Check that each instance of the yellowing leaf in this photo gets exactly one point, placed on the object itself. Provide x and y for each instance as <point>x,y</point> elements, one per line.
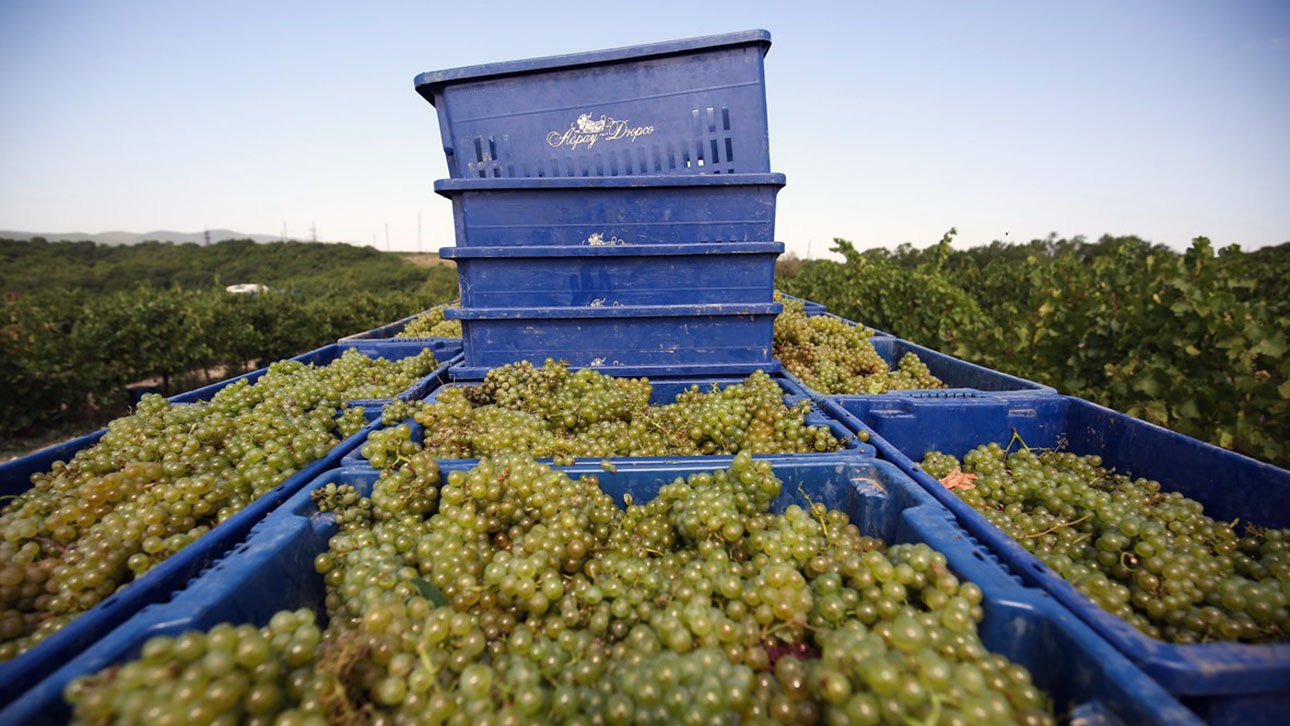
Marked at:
<point>959,479</point>
<point>1157,412</point>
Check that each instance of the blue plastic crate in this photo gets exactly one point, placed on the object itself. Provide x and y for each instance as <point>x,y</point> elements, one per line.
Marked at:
<point>692,274</point>
<point>155,585</point>
<point>629,340</point>
<point>664,391</point>
<point>1088,680</point>
<point>964,379</point>
<point>446,352</point>
<point>604,212</point>
<point>693,106</point>
<point>1223,682</point>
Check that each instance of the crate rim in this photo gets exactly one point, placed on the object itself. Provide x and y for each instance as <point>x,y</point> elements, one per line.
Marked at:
<point>642,312</point>
<point>429,83</point>
<point>453,187</point>
<point>689,249</point>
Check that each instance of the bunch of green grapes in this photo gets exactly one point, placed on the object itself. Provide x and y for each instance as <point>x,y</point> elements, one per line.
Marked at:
<point>360,377</point>
<point>1146,555</point>
<point>549,411</point>
<point>397,410</point>
<point>527,596</point>
<point>431,324</point>
<point>163,476</point>
<point>833,356</point>
<point>230,674</point>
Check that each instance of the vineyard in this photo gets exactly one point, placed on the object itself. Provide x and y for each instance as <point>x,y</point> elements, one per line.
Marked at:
<point>1195,341</point>
<point>80,323</point>
<point>613,458</point>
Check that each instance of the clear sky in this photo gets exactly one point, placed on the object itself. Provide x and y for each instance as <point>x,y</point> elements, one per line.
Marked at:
<point>893,121</point>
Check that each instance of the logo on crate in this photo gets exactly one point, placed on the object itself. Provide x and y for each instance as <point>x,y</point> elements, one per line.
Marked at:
<point>598,240</point>
<point>586,131</point>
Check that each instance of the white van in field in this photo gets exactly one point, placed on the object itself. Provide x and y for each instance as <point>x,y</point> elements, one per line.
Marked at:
<point>246,287</point>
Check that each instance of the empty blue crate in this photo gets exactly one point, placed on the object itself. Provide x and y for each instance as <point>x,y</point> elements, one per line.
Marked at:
<point>155,585</point>
<point>630,340</point>
<point>611,275</point>
<point>694,106</point>
<point>1222,681</point>
<point>961,378</point>
<point>1088,680</point>
<point>662,392</point>
<point>605,212</point>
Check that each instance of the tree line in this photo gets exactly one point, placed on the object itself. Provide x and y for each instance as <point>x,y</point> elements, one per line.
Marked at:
<point>1193,341</point>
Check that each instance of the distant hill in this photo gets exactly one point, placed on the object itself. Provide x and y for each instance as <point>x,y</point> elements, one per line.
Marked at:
<point>133,238</point>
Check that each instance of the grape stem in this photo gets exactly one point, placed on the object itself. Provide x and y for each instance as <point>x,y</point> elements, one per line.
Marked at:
<point>811,508</point>
<point>1056,527</point>
<point>56,545</point>
<point>1016,438</point>
<point>933,716</point>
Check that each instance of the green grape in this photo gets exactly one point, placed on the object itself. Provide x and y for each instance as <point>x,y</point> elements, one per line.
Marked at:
<point>512,592</point>
<point>161,477</point>
<point>549,411</point>
<point>229,673</point>
<point>1146,555</point>
<point>431,324</point>
<point>397,410</point>
<point>833,356</point>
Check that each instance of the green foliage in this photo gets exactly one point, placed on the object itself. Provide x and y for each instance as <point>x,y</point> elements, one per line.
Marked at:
<point>80,322</point>
<point>67,355</point>
<point>307,267</point>
<point>920,303</point>
<point>1195,342</point>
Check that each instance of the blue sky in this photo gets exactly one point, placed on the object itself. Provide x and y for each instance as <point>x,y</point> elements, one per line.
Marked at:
<point>893,121</point>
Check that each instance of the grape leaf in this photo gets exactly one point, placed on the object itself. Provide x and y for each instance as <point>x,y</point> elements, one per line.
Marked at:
<point>959,479</point>
<point>430,592</point>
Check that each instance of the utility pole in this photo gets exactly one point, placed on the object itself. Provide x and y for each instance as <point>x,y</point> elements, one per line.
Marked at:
<point>283,236</point>
<point>207,236</point>
<point>313,231</point>
<point>418,233</point>
<point>387,236</point>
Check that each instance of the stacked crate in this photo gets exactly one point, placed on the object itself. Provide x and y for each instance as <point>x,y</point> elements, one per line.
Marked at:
<point>614,209</point>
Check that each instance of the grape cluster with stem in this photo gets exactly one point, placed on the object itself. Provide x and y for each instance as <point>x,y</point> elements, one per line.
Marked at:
<point>832,356</point>
<point>512,593</point>
<point>431,324</point>
<point>550,411</point>
<point>163,476</point>
<point>1144,554</point>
